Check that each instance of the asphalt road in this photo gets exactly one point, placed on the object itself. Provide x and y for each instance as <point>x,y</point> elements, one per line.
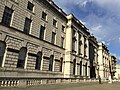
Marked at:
<point>73,86</point>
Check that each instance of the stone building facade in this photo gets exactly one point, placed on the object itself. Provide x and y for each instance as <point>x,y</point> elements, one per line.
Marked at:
<point>39,44</point>
<point>103,61</point>
<point>93,56</point>
<point>112,65</point>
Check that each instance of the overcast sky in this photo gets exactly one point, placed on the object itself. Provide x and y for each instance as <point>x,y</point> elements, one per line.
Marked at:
<point>102,18</point>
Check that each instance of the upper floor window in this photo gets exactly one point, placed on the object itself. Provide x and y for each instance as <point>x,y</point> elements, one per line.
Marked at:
<point>21,57</point>
<point>2,51</point>
<point>27,25</point>
<point>53,38</point>
<point>44,16</point>
<point>38,60</point>
<point>7,16</point>
<point>62,42</point>
<point>42,31</point>
<point>54,23</point>
<point>30,6</point>
<point>63,28</point>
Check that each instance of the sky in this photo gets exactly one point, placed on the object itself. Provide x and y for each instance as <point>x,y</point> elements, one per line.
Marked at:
<point>101,17</point>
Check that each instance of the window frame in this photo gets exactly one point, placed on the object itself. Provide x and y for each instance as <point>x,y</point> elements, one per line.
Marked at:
<point>54,23</point>
<point>20,62</point>
<point>7,16</point>
<point>42,32</point>
<point>44,16</point>
<point>27,25</point>
<point>30,6</point>
<point>53,40</point>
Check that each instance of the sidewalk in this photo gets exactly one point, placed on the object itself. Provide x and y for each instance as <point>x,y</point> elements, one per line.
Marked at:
<point>72,86</point>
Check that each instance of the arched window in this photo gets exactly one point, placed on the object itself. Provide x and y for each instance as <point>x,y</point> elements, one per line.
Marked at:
<point>80,68</point>
<point>38,60</point>
<point>74,66</point>
<point>21,57</point>
<point>2,51</point>
<point>51,63</point>
<point>61,64</point>
<point>86,69</point>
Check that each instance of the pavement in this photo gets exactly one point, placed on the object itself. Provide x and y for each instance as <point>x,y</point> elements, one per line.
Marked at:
<point>72,86</point>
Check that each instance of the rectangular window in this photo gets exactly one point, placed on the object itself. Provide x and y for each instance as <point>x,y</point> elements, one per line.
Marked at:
<point>42,31</point>
<point>73,45</point>
<point>62,42</point>
<point>27,25</point>
<point>7,15</point>
<point>63,28</point>
<point>53,38</point>
<point>30,6</point>
<point>54,23</point>
<point>44,16</point>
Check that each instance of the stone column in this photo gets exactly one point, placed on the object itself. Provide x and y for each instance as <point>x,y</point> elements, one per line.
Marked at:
<point>68,47</point>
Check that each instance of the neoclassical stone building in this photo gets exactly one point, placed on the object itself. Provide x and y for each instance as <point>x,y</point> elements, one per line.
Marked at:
<point>103,61</point>
<point>39,44</point>
<point>93,56</point>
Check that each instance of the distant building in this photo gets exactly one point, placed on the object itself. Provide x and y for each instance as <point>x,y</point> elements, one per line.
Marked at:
<point>117,74</point>
<point>112,65</point>
<point>103,61</point>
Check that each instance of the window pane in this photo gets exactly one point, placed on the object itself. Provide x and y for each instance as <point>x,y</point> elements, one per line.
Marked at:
<point>7,15</point>
<point>42,30</point>
<point>21,58</point>
<point>30,6</point>
<point>53,38</point>
<point>51,63</point>
<point>54,23</point>
<point>44,15</point>
<point>38,61</point>
<point>62,42</point>
<point>27,25</point>
<point>74,66</point>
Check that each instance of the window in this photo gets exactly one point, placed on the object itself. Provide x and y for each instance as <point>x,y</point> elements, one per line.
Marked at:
<point>21,57</point>
<point>53,38</point>
<point>74,66</point>
<point>61,63</point>
<point>2,51</point>
<point>54,23</point>
<point>38,60</point>
<point>30,6</point>
<point>62,42</point>
<point>80,43</point>
<point>73,45</point>
<point>51,63</point>
<point>63,28</point>
<point>44,16</point>
<point>80,68</point>
<point>42,31</point>
<point>27,25</point>
<point>86,69</point>
<point>7,15</point>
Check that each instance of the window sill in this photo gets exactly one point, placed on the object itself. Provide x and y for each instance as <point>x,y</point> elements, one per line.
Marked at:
<point>30,11</point>
<point>44,20</point>
<point>55,27</point>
